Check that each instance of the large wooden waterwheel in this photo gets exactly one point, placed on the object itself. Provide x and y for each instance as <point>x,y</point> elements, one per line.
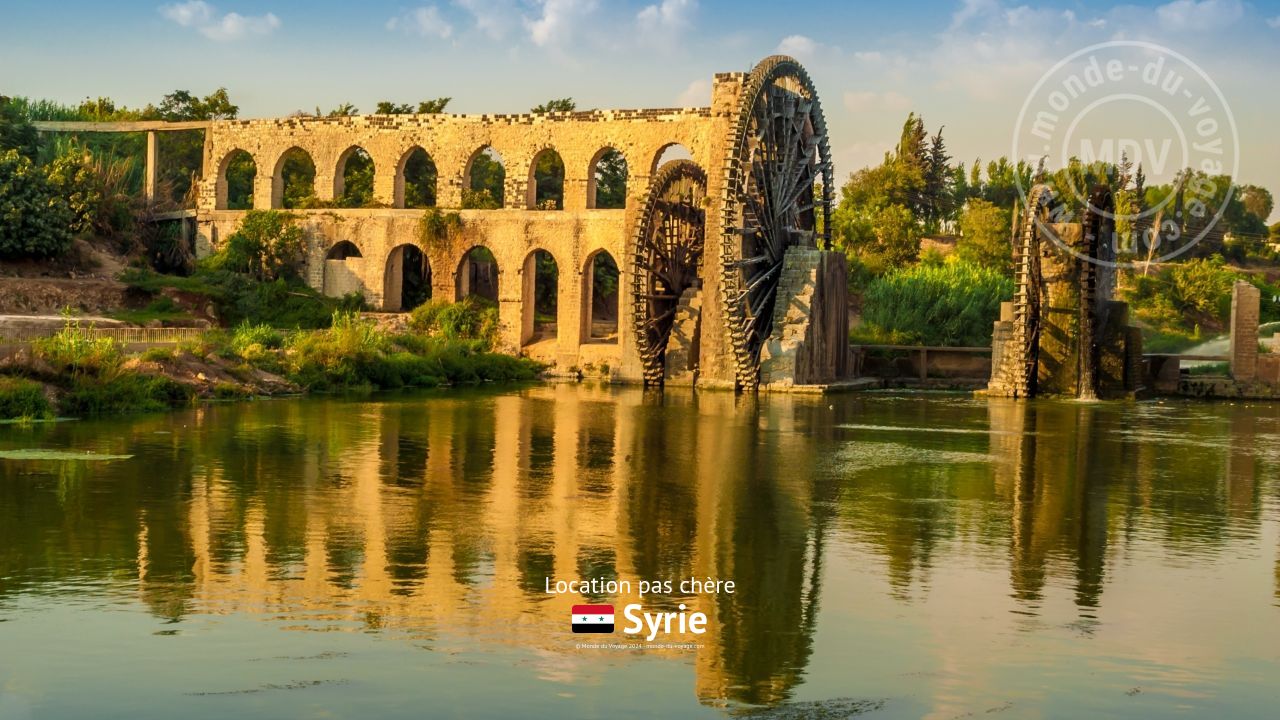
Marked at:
<point>777,195</point>
<point>667,254</point>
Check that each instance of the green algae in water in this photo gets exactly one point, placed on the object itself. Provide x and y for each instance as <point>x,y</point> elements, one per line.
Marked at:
<point>59,455</point>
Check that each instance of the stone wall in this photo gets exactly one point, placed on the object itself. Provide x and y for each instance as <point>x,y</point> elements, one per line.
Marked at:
<point>572,235</point>
<point>1245,314</point>
<point>809,343</point>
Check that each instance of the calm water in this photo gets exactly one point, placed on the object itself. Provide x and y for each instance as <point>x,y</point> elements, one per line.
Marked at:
<point>909,555</point>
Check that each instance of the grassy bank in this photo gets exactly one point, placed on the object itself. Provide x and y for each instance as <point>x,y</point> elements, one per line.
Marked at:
<point>74,373</point>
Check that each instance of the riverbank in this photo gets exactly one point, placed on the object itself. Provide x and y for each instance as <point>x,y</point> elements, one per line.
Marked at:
<point>75,373</point>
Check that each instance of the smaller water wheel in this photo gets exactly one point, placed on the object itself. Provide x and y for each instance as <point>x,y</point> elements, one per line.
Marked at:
<point>1096,281</point>
<point>1023,362</point>
<point>667,256</point>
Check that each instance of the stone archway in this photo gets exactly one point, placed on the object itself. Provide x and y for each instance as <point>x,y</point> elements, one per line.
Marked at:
<point>406,281</point>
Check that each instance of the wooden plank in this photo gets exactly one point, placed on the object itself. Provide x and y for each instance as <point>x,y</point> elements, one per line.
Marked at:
<point>931,348</point>
<point>125,126</point>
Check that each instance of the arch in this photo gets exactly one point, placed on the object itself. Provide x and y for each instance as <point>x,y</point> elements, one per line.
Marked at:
<point>539,297</point>
<point>342,250</point>
<point>406,282</point>
<point>353,178</point>
<point>477,275</point>
<point>670,152</point>
<point>545,190</point>
<point>600,282</point>
<point>293,181</point>
<point>486,178</point>
<point>236,175</point>
<point>343,270</point>
<point>607,180</point>
<point>416,179</point>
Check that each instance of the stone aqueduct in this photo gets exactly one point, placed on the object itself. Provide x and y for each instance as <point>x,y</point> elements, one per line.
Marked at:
<point>763,124</point>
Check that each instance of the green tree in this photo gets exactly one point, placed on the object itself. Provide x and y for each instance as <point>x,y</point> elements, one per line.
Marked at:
<point>557,105</point>
<point>267,246</point>
<point>488,177</point>
<point>897,235</point>
<point>611,181</point>
<point>16,133</point>
<point>984,236</point>
<point>35,220</point>
<point>434,106</point>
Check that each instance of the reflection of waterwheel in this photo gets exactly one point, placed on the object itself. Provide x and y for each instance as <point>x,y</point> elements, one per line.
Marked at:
<point>668,251</point>
<point>778,153</point>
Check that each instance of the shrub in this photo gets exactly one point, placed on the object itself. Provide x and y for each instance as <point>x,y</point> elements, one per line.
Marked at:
<point>267,246</point>
<point>22,398</point>
<point>954,304</point>
<point>96,189</point>
<point>1202,286</point>
<point>247,334</point>
<point>35,220</point>
<point>473,318</point>
<point>984,236</point>
<point>75,350</point>
<point>122,393</point>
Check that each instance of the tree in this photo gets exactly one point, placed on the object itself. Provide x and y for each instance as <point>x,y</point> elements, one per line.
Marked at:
<point>386,107</point>
<point>488,178</point>
<point>346,109</point>
<point>611,181</point>
<point>267,246</point>
<point>897,235</point>
<point>35,220</point>
<point>939,202</point>
<point>434,106</point>
<point>984,236</point>
<point>182,105</point>
<point>558,105</point>
<point>1257,201</point>
<point>16,133</point>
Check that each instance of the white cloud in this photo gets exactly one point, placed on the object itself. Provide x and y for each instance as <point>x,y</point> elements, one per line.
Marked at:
<point>1199,16</point>
<point>669,17</point>
<point>188,14</point>
<point>494,18</point>
<point>558,22</point>
<point>866,101</point>
<point>204,18</point>
<point>805,48</point>
<point>1274,22</point>
<point>698,94</point>
<point>425,21</point>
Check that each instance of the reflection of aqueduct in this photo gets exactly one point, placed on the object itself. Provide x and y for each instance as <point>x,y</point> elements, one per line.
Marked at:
<point>759,150</point>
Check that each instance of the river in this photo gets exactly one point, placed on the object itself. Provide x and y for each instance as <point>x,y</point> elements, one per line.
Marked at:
<point>902,555</point>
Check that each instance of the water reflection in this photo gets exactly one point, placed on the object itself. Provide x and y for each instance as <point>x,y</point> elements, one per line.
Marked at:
<point>449,513</point>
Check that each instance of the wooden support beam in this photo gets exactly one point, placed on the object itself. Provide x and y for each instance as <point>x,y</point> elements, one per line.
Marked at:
<point>153,157</point>
<point>114,127</point>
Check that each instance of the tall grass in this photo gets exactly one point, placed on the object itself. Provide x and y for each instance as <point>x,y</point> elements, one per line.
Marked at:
<point>954,304</point>
<point>22,399</point>
<point>473,318</point>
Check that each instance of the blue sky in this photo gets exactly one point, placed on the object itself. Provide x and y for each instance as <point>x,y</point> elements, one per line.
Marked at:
<point>965,64</point>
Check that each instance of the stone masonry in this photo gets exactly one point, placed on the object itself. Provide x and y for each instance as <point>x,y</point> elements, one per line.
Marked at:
<point>573,236</point>
<point>1245,313</point>
<point>809,344</point>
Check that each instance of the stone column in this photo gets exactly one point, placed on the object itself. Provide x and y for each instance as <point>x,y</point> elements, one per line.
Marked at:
<point>1245,302</point>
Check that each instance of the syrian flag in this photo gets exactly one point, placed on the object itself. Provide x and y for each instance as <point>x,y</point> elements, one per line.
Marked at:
<point>592,618</point>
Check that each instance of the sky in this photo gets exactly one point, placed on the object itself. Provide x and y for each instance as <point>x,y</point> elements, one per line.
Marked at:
<point>966,65</point>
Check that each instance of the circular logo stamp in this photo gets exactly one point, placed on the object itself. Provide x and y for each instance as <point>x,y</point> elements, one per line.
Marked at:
<point>1119,112</point>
